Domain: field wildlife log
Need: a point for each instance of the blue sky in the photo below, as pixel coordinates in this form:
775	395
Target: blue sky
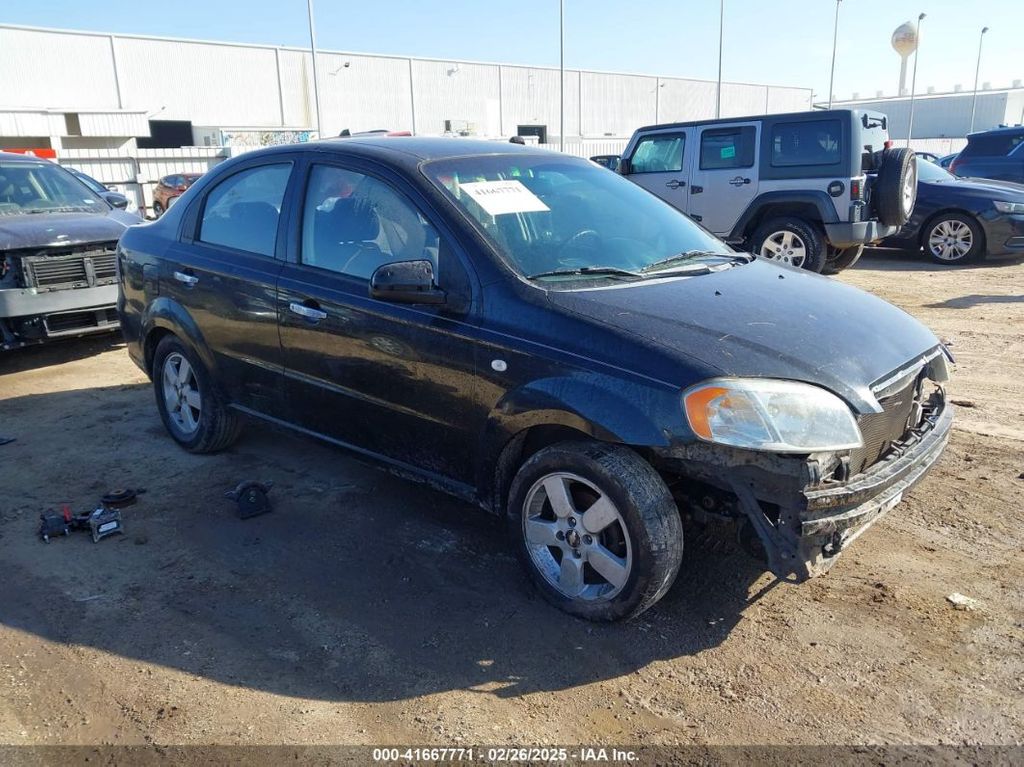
786	42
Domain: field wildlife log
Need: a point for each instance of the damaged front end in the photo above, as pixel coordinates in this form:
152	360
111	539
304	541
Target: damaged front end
806	509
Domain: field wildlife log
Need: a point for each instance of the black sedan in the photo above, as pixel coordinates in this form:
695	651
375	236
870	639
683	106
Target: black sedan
957	220
544	338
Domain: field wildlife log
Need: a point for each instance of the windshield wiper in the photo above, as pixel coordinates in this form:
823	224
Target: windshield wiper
612	271
690	255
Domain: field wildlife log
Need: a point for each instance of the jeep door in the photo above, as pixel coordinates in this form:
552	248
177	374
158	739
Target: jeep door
724	179
658	163
390	379
223	273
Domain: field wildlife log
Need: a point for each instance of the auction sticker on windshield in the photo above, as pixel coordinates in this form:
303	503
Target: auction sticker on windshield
500	197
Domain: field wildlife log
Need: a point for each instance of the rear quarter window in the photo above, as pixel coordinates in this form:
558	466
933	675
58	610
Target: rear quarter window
806	143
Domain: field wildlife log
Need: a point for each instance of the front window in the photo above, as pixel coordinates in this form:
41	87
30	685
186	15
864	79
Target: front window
30	187
558	214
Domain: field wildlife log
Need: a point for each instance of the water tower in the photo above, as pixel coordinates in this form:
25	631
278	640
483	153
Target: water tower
904	42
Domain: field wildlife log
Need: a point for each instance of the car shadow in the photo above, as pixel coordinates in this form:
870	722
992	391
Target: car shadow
966	302
57	352
898	260
357	586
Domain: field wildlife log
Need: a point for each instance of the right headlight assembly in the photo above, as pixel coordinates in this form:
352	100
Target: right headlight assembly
771	415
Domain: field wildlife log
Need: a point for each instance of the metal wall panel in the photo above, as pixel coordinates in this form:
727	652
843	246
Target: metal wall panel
113	123
445	90
683	100
56	70
206	83
788	99
741	100
529	96
939	116
616	104
370	93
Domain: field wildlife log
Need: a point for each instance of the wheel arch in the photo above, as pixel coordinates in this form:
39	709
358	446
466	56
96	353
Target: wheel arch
816	207
166	317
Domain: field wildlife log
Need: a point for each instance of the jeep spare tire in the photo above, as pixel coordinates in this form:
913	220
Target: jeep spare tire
895	189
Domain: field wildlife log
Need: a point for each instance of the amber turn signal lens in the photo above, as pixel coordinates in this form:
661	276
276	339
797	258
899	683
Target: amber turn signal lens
696	404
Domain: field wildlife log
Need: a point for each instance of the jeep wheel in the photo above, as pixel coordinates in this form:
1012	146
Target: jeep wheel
953	238
838	259
596	528
791	240
895	190
193	411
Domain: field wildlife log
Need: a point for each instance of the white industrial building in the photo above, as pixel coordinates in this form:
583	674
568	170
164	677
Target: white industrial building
943	120
82	90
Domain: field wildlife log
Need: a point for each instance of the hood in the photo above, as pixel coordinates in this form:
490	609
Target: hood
765	320
41	230
985	187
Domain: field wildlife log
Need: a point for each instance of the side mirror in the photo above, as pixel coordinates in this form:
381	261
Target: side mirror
406	282
625	166
116	200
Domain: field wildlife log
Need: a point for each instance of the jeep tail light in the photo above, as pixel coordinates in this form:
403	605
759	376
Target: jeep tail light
855	189
888	144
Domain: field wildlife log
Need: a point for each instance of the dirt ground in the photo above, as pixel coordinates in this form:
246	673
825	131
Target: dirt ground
368	610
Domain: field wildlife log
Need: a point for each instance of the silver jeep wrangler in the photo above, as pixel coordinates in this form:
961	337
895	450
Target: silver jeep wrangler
809	188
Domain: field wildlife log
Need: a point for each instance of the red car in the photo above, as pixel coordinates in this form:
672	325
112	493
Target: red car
170	188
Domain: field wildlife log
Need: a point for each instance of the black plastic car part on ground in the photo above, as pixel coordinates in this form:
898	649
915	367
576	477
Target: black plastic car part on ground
958	220
533	333
57	264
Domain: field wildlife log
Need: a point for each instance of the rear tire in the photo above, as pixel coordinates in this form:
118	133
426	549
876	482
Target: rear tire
895	190
791	240
596	528
841	258
192	408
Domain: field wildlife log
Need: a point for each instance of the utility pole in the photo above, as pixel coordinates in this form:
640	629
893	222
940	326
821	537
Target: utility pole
977	71
835	39
913	79
316	75
721	36
561	77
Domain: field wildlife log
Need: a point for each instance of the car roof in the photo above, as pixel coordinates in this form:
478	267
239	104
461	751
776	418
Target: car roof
26	158
815	114
1002	129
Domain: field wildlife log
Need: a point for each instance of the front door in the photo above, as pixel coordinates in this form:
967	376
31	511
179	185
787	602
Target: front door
658	164
393	380
724	180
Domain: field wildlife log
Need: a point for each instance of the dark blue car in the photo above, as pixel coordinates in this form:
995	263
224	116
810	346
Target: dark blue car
957	220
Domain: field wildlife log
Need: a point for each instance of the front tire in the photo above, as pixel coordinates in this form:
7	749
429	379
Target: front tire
791	240
194	412
596	528
953	238
838	259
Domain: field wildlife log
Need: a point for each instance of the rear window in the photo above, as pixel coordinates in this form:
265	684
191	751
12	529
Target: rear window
809	142
992	144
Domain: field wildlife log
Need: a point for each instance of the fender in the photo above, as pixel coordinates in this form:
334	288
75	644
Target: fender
168	314
819	199
604	408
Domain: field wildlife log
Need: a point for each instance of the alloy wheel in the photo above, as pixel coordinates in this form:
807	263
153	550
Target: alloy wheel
181	393
785	246
950	240
576	537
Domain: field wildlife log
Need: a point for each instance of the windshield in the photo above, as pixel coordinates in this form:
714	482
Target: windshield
560	215
42	187
929	171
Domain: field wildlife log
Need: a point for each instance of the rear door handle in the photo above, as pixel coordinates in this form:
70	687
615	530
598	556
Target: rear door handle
309	312
188	279
675	184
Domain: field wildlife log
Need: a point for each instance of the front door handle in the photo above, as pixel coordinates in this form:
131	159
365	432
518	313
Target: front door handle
675	184
739	181
309	312
189	279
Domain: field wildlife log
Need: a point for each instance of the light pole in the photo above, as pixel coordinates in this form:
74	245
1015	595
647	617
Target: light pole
913	79
721	34
977	71
561	77
316	76
835	39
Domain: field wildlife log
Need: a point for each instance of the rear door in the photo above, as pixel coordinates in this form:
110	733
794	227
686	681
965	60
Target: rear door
394	380
658	163
224	273
724	180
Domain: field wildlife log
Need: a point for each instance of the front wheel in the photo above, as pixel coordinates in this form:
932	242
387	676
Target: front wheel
791	240
953	238
839	259
596	528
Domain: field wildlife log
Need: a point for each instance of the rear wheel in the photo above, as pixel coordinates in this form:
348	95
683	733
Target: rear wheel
953	238
596	528
193	411
791	240
838	259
